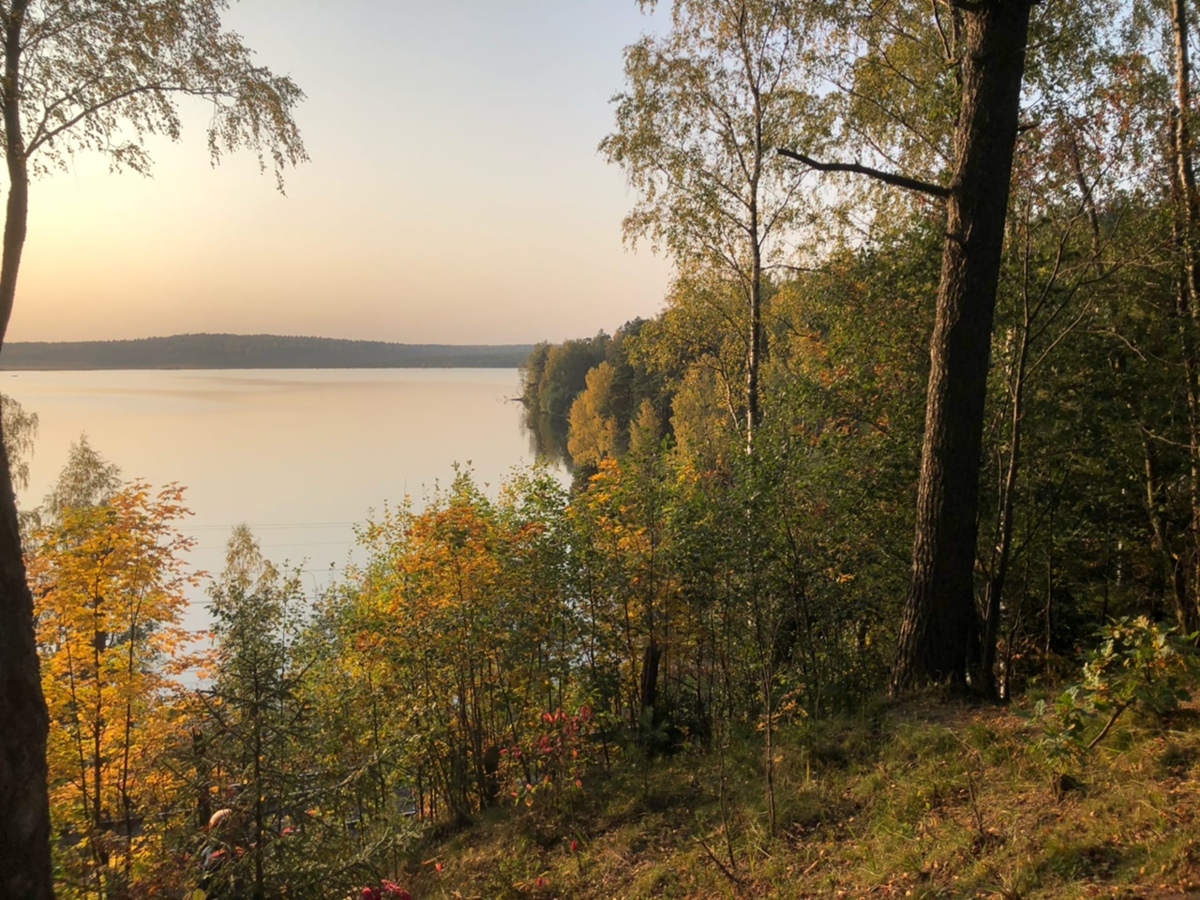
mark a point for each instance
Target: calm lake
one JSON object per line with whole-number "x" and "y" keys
{"x": 300, "y": 455}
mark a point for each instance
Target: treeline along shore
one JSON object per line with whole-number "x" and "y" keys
{"x": 255, "y": 351}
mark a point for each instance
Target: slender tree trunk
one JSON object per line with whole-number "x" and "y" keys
{"x": 755, "y": 350}
{"x": 1184, "y": 170}
{"x": 754, "y": 357}
{"x": 260, "y": 824}
{"x": 17, "y": 213}
{"x": 1172, "y": 568}
{"x": 939, "y": 620}
{"x": 100, "y": 855}
{"x": 1003, "y": 555}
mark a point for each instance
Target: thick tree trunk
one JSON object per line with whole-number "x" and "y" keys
{"x": 649, "y": 685}
{"x": 939, "y": 621}
{"x": 24, "y": 809}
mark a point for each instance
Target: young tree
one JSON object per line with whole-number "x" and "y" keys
{"x": 705, "y": 107}
{"x": 252, "y": 714}
{"x": 109, "y": 585}
{"x": 97, "y": 75}
{"x": 19, "y": 428}
{"x": 88, "y": 479}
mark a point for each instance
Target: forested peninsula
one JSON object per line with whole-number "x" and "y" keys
{"x": 255, "y": 351}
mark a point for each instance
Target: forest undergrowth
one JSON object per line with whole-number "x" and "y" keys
{"x": 923, "y": 799}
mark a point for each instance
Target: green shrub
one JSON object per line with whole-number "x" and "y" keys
{"x": 1138, "y": 665}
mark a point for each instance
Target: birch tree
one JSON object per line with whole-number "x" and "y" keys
{"x": 98, "y": 76}
{"x": 703, "y": 110}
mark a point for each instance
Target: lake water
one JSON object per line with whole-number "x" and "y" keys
{"x": 299, "y": 455}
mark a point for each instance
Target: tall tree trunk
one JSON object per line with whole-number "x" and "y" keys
{"x": 25, "y": 872}
{"x": 17, "y": 212}
{"x": 1002, "y": 556}
{"x": 939, "y": 621}
{"x": 1172, "y": 569}
{"x": 754, "y": 357}
{"x": 24, "y": 808}
{"x": 1187, "y": 223}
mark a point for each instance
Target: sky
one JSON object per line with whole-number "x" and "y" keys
{"x": 454, "y": 192}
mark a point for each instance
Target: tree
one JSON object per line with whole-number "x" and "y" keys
{"x": 109, "y": 585}
{"x": 463, "y": 613}
{"x": 705, "y": 107}
{"x": 593, "y": 434}
{"x": 20, "y": 430}
{"x": 97, "y": 75}
{"x": 88, "y": 479}
{"x": 1186, "y": 243}
{"x": 252, "y": 714}
{"x": 24, "y": 807}
{"x": 985, "y": 46}
{"x": 939, "y": 610}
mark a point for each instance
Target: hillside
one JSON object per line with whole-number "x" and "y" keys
{"x": 255, "y": 351}
{"x": 923, "y": 800}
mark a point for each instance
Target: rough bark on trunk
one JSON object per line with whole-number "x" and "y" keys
{"x": 649, "y": 686}
{"x": 1187, "y": 222}
{"x": 24, "y": 808}
{"x": 939, "y": 620}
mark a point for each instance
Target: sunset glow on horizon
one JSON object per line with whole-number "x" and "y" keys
{"x": 454, "y": 192}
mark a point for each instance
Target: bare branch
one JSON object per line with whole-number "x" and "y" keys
{"x": 937, "y": 20}
{"x": 901, "y": 181}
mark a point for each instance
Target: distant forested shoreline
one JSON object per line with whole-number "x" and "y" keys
{"x": 255, "y": 351}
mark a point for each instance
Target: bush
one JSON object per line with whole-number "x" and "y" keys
{"x": 1140, "y": 665}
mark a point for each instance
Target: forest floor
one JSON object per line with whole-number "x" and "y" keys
{"x": 926, "y": 799}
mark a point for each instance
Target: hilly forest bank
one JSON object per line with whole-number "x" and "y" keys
{"x": 254, "y": 351}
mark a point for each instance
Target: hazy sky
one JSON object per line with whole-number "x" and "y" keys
{"x": 454, "y": 194}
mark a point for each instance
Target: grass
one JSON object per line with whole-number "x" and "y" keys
{"x": 922, "y": 800}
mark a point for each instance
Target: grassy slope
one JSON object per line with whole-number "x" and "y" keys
{"x": 926, "y": 800}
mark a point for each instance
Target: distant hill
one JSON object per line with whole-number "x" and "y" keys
{"x": 256, "y": 351}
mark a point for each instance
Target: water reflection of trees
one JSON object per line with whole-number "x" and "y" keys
{"x": 547, "y": 437}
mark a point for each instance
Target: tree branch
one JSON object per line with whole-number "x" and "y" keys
{"x": 43, "y": 134}
{"x": 1108, "y": 725}
{"x": 902, "y": 181}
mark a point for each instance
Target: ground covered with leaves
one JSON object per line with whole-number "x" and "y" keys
{"x": 927, "y": 799}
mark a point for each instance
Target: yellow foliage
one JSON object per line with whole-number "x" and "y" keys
{"x": 108, "y": 584}
{"x": 593, "y": 433}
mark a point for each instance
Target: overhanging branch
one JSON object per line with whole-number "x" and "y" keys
{"x": 902, "y": 181}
